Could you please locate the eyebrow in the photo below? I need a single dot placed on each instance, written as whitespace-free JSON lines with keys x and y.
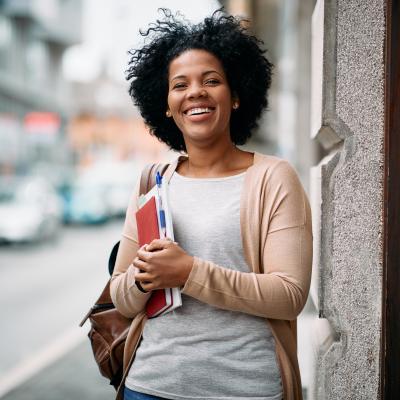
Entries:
{"x":203,"y":74}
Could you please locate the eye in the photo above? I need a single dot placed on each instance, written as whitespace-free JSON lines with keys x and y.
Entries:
{"x":212,"y":81}
{"x":179,"y":85}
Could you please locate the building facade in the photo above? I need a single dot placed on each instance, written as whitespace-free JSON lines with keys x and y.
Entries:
{"x":33,"y":38}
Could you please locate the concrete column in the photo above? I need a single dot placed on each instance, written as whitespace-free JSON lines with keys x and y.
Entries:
{"x":347,"y":119}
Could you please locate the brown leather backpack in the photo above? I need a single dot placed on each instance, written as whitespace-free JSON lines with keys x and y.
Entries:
{"x":109,"y":328}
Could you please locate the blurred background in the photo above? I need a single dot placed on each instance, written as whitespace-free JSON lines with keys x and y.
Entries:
{"x":71,"y":149}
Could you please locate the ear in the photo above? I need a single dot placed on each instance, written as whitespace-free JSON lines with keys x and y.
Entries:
{"x":235,"y":101}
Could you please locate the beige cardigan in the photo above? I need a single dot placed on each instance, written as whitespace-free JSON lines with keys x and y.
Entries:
{"x":275,"y":221}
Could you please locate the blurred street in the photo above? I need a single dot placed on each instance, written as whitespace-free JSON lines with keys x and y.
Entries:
{"x":45,"y":291}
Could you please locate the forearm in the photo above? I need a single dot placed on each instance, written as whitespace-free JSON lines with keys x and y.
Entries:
{"x":279,"y":293}
{"x":267,"y":296}
{"x":126,"y":296}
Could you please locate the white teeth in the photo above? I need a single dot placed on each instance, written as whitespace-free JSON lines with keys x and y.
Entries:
{"x":194,"y":111}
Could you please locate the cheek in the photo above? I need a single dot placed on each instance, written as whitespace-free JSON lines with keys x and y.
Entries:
{"x":226,"y":104}
{"x":227,"y":110}
{"x":169,"y":101}
{"x":173,"y":101}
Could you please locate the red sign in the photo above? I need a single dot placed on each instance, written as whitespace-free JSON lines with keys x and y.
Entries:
{"x":46,"y":123}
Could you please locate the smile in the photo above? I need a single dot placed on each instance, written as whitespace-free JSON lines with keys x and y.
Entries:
{"x":199,"y":110}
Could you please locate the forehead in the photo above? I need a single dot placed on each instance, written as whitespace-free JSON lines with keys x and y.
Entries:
{"x":194,"y":61}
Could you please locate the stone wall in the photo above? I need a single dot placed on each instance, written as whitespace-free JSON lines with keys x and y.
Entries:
{"x":347,"y":119}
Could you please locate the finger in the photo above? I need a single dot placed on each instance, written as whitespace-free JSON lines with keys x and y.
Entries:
{"x":147,"y":286}
{"x":143,"y":277}
{"x":144,"y":255}
{"x":158,"y":244}
{"x":140,"y":264}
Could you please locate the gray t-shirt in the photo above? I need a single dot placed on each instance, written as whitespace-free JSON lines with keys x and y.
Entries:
{"x":199,"y":351}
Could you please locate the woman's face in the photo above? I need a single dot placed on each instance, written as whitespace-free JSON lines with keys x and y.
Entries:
{"x":199,"y":97}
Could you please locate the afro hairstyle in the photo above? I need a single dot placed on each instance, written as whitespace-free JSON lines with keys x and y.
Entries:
{"x":247,"y":69}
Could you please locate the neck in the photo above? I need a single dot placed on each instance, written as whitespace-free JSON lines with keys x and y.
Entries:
{"x":211,"y":161}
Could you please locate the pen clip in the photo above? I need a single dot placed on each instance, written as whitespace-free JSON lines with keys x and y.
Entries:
{"x":158,"y":179}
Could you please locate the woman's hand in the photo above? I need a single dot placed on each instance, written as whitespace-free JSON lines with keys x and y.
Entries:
{"x":163,"y":264}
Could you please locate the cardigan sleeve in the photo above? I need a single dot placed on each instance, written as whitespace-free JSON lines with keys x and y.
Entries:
{"x":127,"y":298}
{"x":285,"y":248}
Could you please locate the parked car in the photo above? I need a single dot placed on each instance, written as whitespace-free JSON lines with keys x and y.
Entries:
{"x":84,"y":204}
{"x":99,"y":192}
{"x":30,"y":209}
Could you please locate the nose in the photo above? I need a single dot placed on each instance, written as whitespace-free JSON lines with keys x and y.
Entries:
{"x":197,"y":91}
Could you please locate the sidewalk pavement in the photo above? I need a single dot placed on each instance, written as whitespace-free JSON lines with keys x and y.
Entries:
{"x":73,"y":377}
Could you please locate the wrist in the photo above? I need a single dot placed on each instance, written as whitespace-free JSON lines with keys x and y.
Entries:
{"x":139,"y":286}
{"x":188,"y":268}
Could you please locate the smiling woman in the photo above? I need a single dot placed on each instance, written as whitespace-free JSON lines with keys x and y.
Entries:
{"x":246,"y":70}
{"x":199,"y":98}
{"x":242,"y":221}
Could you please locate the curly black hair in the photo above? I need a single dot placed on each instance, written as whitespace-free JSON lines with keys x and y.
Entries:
{"x":247,"y":69}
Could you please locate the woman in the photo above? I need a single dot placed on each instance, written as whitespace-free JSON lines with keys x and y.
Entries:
{"x":242,"y":224}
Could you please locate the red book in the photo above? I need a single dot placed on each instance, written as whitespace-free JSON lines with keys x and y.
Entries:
{"x":148,"y":230}
{"x":160,"y":301}
{"x":147,"y":222}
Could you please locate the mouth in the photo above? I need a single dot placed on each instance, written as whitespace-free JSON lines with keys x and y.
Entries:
{"x":198,"y":111}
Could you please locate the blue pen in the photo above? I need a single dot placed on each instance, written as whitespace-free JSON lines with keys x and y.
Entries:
{"x":163,"y":224}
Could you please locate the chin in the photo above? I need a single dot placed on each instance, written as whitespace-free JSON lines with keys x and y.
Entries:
{"x":203,"y":140}
{"x":200,"y":134}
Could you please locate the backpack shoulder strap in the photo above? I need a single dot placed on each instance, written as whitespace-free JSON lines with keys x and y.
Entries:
{"x":148,"y":177}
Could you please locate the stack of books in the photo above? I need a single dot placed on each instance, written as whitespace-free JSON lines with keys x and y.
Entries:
{"x":154,"y":221}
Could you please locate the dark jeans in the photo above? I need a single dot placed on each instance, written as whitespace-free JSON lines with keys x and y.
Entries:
{"x":133,"y":395}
